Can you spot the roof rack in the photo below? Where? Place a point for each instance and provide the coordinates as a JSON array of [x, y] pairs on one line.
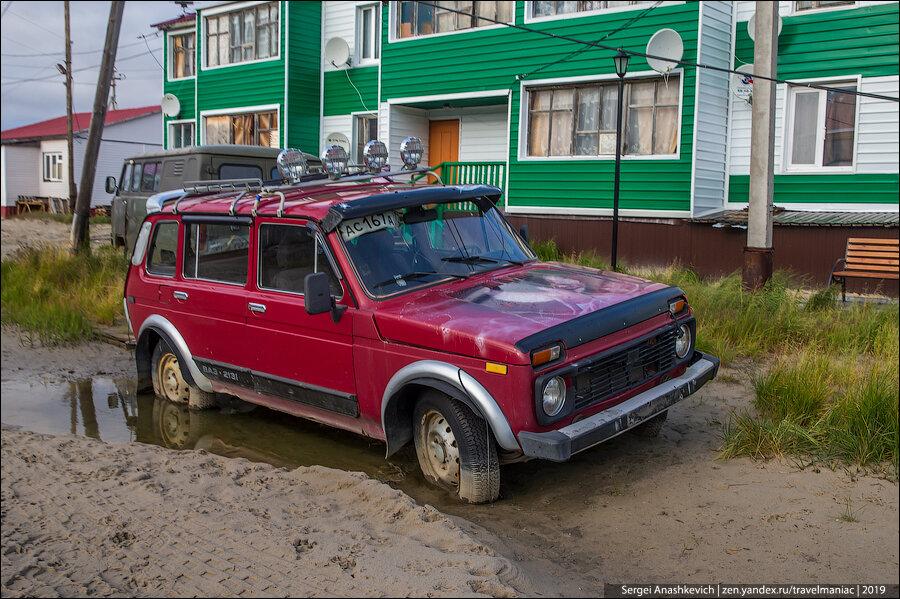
[[221, 185]]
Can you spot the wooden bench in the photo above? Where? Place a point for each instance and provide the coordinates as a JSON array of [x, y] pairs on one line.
[[869, 259]]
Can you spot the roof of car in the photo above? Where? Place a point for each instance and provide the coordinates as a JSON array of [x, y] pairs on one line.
[[331, 201], [221, 149]]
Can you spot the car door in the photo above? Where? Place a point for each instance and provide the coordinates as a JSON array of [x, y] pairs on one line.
[[305, 361], [209, 298]]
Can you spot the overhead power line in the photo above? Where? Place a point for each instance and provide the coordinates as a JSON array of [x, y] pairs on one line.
[[664, 58]]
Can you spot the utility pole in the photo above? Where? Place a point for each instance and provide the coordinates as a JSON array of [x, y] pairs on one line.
[[758, 255], [72, 192], [80, 238]]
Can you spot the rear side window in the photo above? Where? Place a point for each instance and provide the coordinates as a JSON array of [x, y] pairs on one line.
[[287, 253], [240, 171], [163, 248], [217, 252]]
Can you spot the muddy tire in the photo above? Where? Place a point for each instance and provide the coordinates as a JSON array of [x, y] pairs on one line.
[[456, 449], [169, 384], [651, 428]]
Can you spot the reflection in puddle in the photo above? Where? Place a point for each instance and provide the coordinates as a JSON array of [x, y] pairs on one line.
[[110, 410]]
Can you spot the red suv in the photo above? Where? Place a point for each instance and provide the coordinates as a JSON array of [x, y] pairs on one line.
[[402, 311]]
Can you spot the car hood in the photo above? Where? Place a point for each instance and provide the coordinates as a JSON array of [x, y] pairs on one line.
[[487, 315]]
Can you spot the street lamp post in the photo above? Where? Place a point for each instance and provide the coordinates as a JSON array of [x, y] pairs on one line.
[[621, 60]]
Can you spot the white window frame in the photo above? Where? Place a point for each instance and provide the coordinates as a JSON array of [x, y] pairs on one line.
[[376, 34], [218, 11], [394, 18], [530, 18], [812, 11], [238, 110], [522, 150], [50, 162], [788, 127], [171, 125], [170, 71]]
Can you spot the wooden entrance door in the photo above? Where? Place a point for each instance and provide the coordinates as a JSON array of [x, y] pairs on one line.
[[443, 142]]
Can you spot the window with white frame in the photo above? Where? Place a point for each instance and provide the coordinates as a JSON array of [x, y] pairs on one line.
[[417, 19], [580, 119], [247, 129], [53, 165], [550, 8], [366, 131], [368, 33], [182, 55], [822, 127], [801, 5], [242, 36], [181, 135]]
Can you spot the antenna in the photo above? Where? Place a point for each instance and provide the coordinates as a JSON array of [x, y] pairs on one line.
[[170, 105], [337, 52], [665, 43]]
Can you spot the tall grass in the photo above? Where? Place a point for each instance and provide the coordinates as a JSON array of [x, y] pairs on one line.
[[57, 295]]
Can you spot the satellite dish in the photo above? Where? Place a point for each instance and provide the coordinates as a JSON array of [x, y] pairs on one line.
[[751, 26], [337, 52], [665, 43], [170, 105], [337, 139], [742, 83]]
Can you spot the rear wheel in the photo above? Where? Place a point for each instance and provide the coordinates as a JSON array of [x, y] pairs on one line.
[[169, 383], [456, 449]]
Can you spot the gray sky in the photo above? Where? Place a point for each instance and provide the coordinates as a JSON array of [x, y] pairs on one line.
[[33, 41]]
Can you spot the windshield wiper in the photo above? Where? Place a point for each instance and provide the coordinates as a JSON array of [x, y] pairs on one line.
[[472, 260], [419, 275]]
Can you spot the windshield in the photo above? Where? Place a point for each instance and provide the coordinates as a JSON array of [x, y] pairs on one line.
[[400, 250]]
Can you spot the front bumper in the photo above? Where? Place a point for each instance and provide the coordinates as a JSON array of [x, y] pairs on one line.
[[561, 444]]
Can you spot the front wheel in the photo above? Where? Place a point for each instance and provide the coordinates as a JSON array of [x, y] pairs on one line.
[[456, 449], [169, 383]]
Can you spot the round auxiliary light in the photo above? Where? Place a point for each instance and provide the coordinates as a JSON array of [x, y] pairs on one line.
[[375, 155], [291, 164], [334, 160], [554, 396], [411, 152], [683, 342]]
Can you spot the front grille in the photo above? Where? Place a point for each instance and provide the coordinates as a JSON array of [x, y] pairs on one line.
[[624, 369]]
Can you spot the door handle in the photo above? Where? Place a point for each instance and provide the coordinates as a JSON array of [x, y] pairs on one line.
[[182, 295], [258, 308]]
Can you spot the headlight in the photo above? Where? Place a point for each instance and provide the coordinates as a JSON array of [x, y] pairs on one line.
[[683, 342], [334, 159], [375, 155], [291, 164], [554, 396], [411, 152]]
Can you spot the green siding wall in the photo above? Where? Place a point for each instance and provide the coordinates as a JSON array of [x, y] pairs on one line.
[[492, 59], [263, 83], [819, 189], [304, 70], [834, 43], [342, 98]]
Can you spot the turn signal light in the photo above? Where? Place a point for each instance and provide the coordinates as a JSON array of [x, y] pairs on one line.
[[545, 355]]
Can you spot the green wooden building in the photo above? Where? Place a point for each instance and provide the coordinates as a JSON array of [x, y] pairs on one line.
[[499, 93]]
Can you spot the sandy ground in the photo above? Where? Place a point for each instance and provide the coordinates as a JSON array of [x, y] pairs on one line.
[[18, 232], [84, 518]]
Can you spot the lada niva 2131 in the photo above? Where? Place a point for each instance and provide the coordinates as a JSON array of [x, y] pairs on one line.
[[404, 311]]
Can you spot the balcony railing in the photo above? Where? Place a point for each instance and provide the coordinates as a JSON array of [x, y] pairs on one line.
[[472, 173]]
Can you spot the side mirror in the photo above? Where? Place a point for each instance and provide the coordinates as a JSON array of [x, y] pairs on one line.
[[523, 232], [318, 298], [111, 185]]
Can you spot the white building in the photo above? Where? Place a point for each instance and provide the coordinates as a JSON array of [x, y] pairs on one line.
[[35, 158]]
